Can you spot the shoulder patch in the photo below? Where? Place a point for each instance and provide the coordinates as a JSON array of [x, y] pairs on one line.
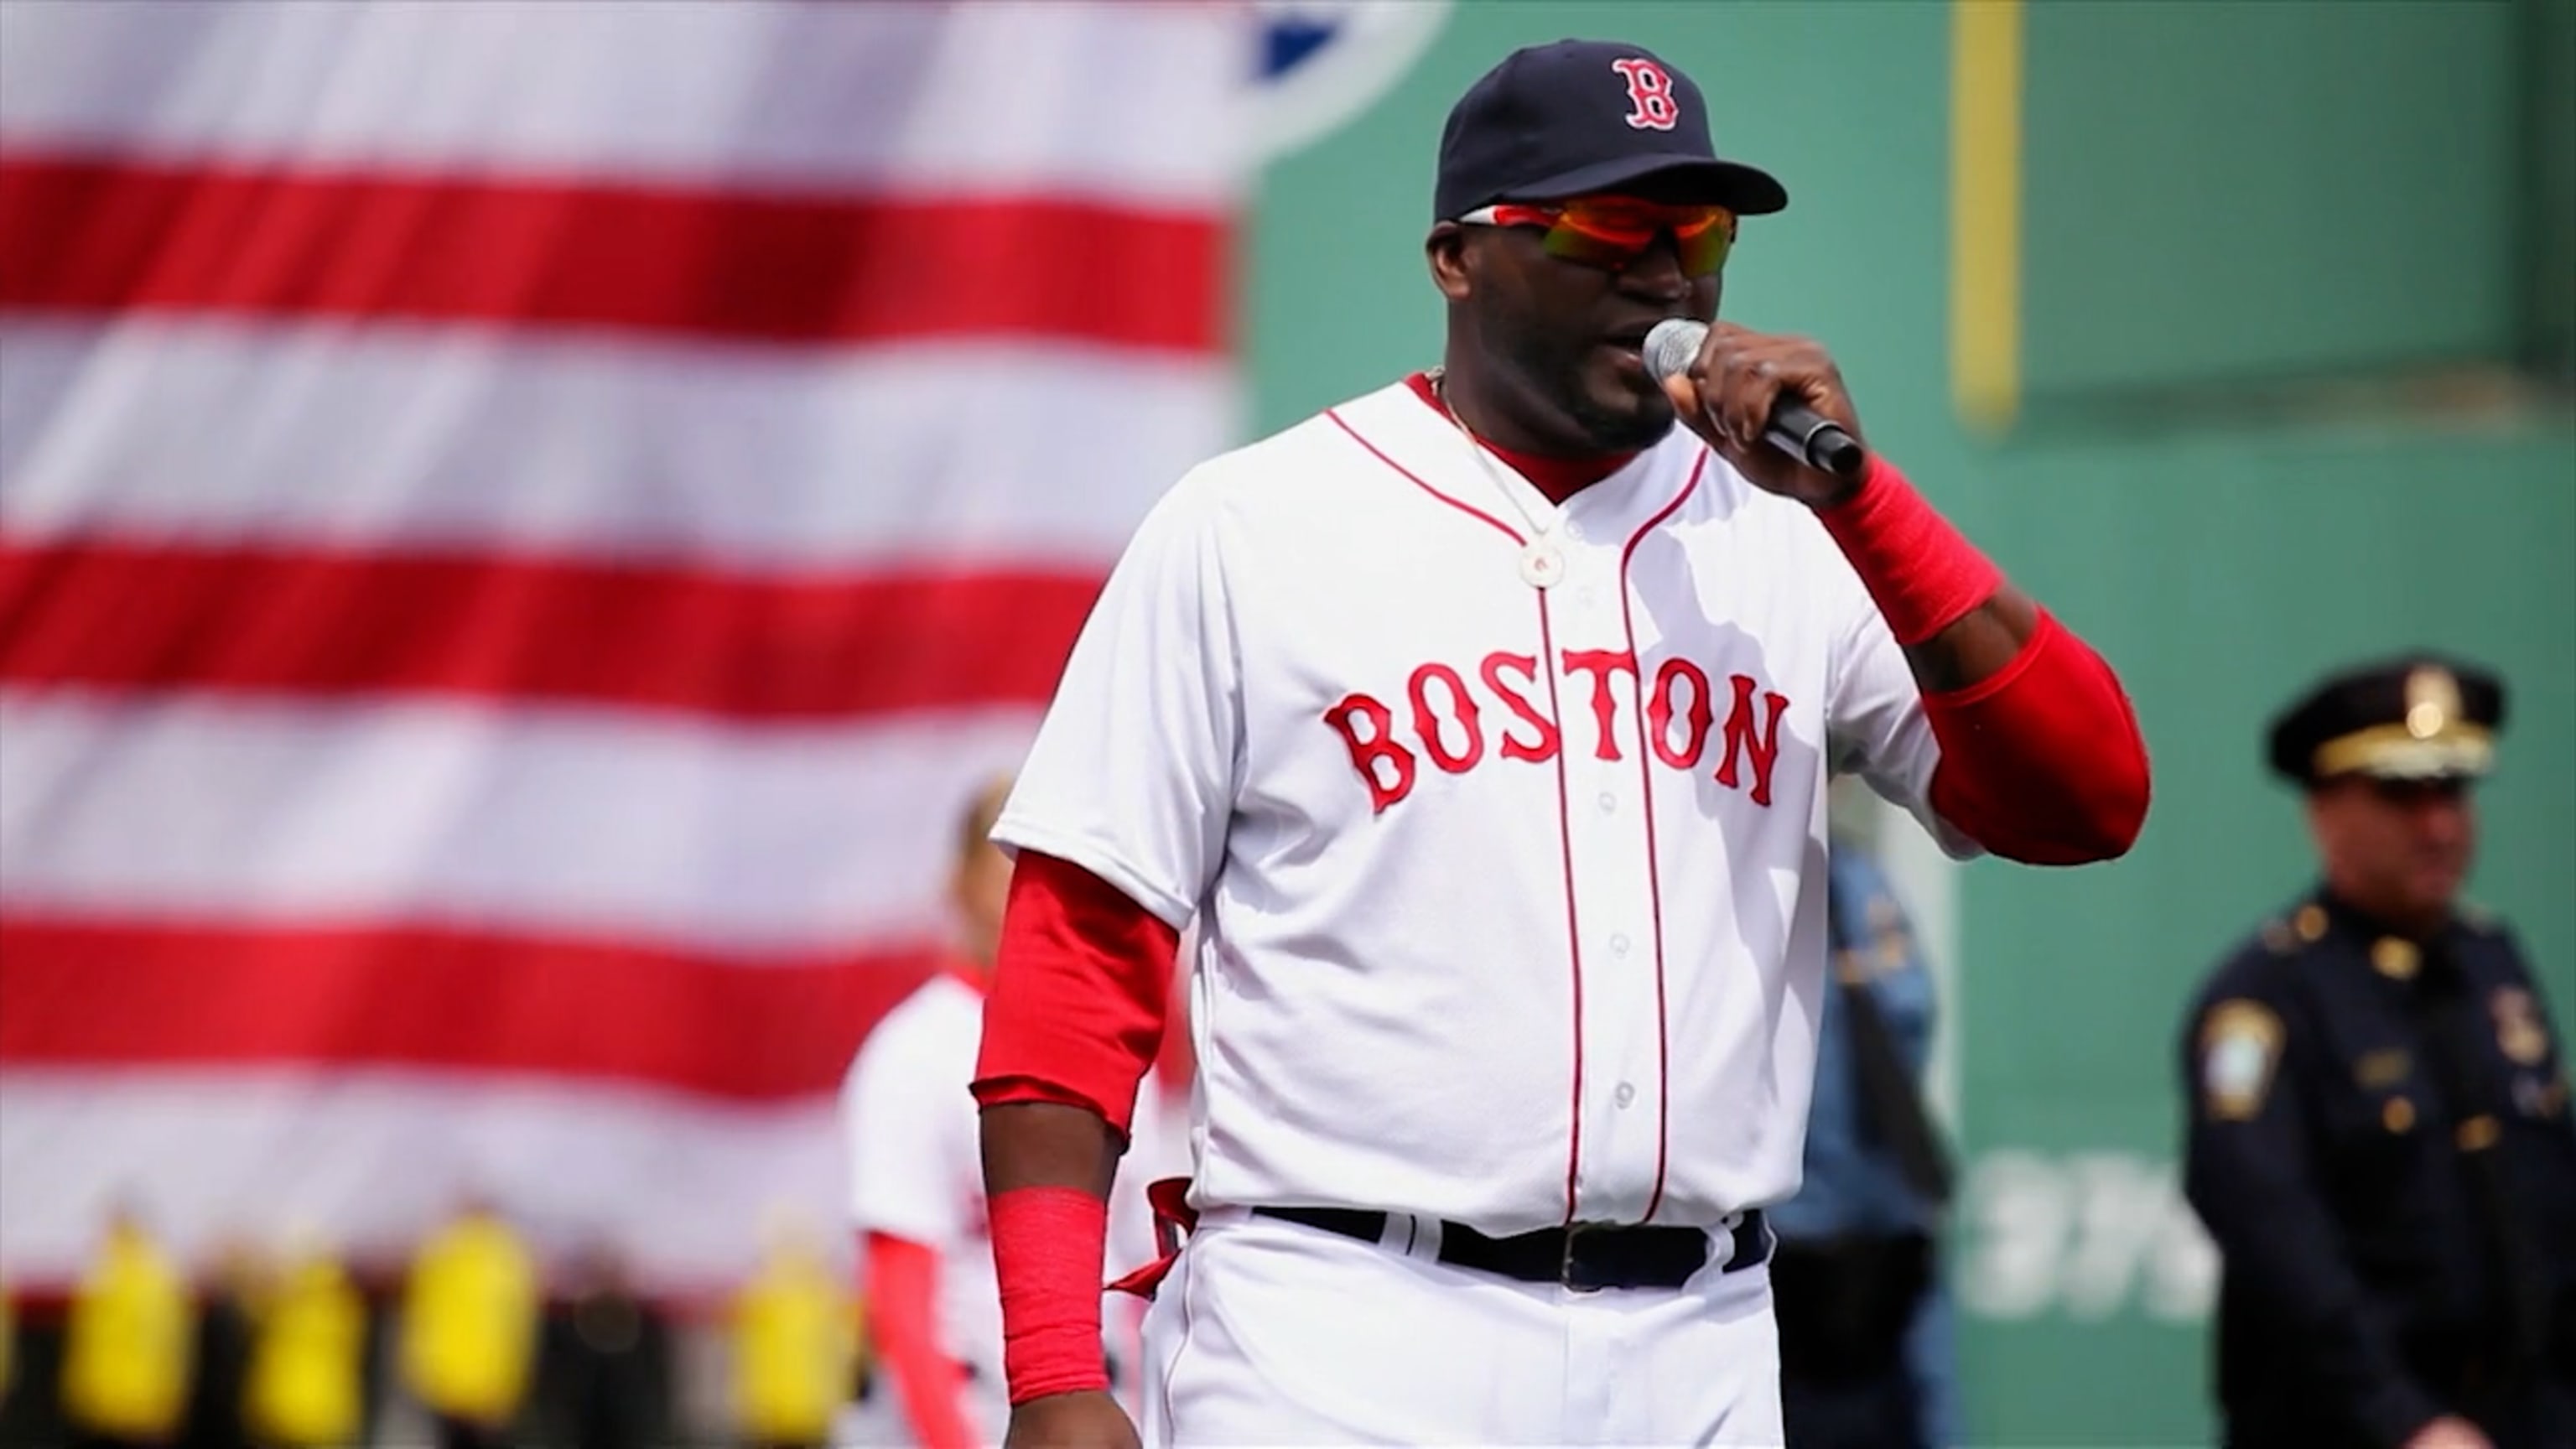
[[2520, 1033], [2240, 1045]]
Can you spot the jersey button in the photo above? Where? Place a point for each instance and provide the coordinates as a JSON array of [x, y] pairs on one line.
[[1609, 802], [1619, 945], [1625, 1095]]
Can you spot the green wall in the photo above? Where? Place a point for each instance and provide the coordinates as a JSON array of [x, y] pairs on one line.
[[2218, 555]]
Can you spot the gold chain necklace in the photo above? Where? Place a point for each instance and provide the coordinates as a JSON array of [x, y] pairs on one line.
[[1542, 562]]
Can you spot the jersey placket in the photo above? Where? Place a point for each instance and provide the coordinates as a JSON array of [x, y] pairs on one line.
[[1619, 1036]]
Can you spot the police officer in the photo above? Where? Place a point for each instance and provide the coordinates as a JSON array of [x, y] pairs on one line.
[[1863, 1319], [2379, 1137]]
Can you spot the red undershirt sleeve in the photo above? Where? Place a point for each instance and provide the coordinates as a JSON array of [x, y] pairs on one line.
[[1081, 993], [2042, 761], [903, 1317]]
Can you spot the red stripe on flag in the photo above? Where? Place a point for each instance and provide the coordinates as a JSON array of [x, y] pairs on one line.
[[91, 234], [131, 616], [89, 993]]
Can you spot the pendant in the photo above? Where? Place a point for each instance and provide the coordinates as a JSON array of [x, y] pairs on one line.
[[1542, 563]]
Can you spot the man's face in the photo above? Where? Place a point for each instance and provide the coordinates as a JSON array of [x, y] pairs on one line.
[[1561, 337], [2398, 848]]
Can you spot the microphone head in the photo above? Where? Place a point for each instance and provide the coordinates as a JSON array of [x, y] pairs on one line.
[[1672, 344]]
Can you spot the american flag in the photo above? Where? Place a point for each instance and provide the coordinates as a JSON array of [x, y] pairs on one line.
[[520, 525]]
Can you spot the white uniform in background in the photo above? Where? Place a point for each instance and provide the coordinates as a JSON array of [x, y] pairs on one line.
[[909, 1127]]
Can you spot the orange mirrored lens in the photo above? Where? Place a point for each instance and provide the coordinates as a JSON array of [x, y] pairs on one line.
[[1612, 231]]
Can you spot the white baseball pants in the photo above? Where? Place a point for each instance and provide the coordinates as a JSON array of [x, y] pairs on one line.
[[1268, 1333]]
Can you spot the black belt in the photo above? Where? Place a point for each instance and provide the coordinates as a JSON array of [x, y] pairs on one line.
[[1579, 1257]]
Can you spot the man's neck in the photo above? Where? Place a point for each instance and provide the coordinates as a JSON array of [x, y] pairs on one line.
[[2414, 925], [1559, 477]]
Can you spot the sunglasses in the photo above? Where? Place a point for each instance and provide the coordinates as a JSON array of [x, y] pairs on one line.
[[1612, 231]]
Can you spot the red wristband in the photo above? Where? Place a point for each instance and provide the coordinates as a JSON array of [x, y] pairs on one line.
[[1923, 574], [1049, 1246]]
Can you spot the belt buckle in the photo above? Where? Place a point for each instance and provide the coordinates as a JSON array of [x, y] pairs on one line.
[[1565, 1267]]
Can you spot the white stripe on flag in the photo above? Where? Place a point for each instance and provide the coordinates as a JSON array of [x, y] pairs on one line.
[[1117, 102], [747, 841], [743, 458]]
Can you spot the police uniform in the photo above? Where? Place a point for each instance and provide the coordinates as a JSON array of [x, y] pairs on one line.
[[2379, 1136], [1864, 1325]]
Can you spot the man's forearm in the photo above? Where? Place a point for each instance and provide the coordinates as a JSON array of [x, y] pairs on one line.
[[1047, 1172], [2041, 758], [1976, 646], [1048, 1144]]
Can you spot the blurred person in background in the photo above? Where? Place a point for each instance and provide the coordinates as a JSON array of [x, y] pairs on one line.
[[227, 1319], [127, 1342], [1865, 1341], [469, 1328], [305, 1387], [795, 1342], [606, 1367], [2378, 1135], [917, 1194]]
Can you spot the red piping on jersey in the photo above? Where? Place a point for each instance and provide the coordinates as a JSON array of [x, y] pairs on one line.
[[1654, 879], [1469, 509], [1573, 932]]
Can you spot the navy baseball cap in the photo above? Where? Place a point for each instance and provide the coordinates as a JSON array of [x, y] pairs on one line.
[[1579, 116]]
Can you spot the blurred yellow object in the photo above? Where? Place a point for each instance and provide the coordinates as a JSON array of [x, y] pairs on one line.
[[128, 1341], [308, 1360], [795, 1348], [469, 1321]]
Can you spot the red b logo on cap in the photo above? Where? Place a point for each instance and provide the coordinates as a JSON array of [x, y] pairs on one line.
[[1650, 94]]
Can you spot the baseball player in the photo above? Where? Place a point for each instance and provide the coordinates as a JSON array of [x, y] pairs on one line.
[[917, 1195], [1483, 723]]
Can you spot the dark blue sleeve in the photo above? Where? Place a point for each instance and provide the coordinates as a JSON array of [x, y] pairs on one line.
[[2249, 1173]]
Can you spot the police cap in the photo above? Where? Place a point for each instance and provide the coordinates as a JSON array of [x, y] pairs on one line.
[[2415, 717]]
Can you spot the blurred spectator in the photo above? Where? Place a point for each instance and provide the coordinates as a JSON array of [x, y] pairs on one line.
[[934, 1311], [224, 1329], [917, 1185], [306, 1385], [127, 1342], [470, 1317], [795, 1343], [8, 1341], [2379, 1136], [1863, 1321], [607, 1363]]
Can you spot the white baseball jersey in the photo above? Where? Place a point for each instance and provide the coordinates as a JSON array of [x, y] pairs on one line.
[[916, 1172], [1511, 898], [915, 1167]]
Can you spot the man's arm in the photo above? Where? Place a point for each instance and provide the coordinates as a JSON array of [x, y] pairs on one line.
[[1074, 1018], [2248, 1173], [903, 1286], [2041, 757]]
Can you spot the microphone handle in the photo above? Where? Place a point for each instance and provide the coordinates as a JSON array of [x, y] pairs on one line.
[[1808, 436]]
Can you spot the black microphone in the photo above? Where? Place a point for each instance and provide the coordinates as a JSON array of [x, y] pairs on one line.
[[1794, 428]]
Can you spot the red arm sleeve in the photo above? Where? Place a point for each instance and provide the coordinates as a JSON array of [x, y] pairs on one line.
[[903, 1318], [2042, 761], [1080, 996]]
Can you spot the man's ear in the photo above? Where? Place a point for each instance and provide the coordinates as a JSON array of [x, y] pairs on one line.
[[1446, 249]]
